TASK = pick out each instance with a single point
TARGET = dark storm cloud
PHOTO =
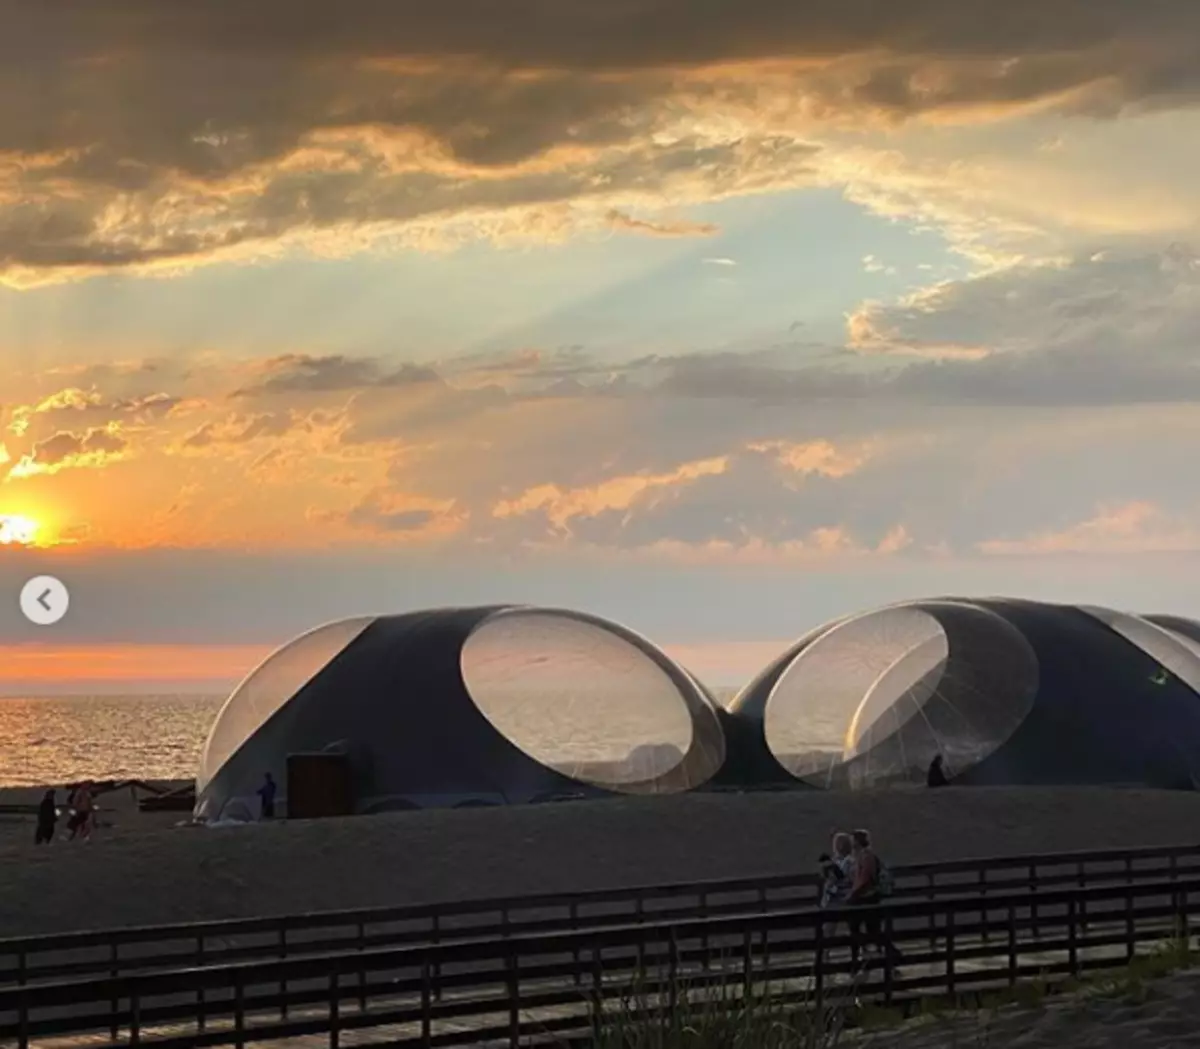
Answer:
(141, 100)
(578, 33)
(255, 77)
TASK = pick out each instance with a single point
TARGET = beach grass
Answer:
(727, 1017)
(703, 1017)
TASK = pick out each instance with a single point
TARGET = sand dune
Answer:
(143, 871)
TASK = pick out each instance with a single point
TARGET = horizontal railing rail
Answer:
(570, 982)
(32, 959)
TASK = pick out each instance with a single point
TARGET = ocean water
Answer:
(53, 740)
(62, 739)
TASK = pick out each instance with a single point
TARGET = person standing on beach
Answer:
(267, 793)
(80, 822)
(47, 819)
(936, 776)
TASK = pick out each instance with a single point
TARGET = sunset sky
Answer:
(718, 319)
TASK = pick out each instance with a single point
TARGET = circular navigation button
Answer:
(44, 600)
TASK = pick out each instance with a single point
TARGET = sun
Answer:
(18, 531)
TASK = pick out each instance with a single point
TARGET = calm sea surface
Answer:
(60, 739)
(66, 738)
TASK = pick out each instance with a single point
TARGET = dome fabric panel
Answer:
(512, 704)
(870, 701)
(421, 706)
(1008, 691)
(269, 686)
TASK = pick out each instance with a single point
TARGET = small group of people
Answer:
(855, 876)
(82, 805)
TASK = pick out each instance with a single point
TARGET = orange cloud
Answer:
(815, 457)
(66, 450)
(1122, 528)
(617, 493)
(395, 517)
(864, 333)
(820, 545)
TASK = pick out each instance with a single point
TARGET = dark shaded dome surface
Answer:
(450, 706)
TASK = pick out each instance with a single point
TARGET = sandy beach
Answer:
(145, 870)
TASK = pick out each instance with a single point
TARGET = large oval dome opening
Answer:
(581, 699)
(873, 699)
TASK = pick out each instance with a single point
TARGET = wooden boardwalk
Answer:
(541, 986)
(520, 970)
(861, 987)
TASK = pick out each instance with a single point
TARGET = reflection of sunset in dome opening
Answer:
(874, 698)
(823, 701)
(570, 693)
(899, 692)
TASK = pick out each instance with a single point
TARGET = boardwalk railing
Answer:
(113, 952)
(566, 985)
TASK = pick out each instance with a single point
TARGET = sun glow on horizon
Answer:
(18, 530)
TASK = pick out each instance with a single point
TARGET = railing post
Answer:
(23, 1022)
(362, 968)
(201, 1019)
(931, 895)
(747, 964)
(1130, 931)
(1033, 905)
(283, 982)
(514, 1000)
(135, 1017)
(950, 981)
(597, 991)
(640, 912)
(983, 897)
(1072, 946)
(114, 969)
(1184, 927)
(239, 1011)
(766, 952)
(573, 912)
(673, 976)
(819, 969)
(704, 934)
(1081, 881)
(435, 936)
(335, 1012)
(888, 928)
(426, 1004)
(762, 909)
(1012, 946)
